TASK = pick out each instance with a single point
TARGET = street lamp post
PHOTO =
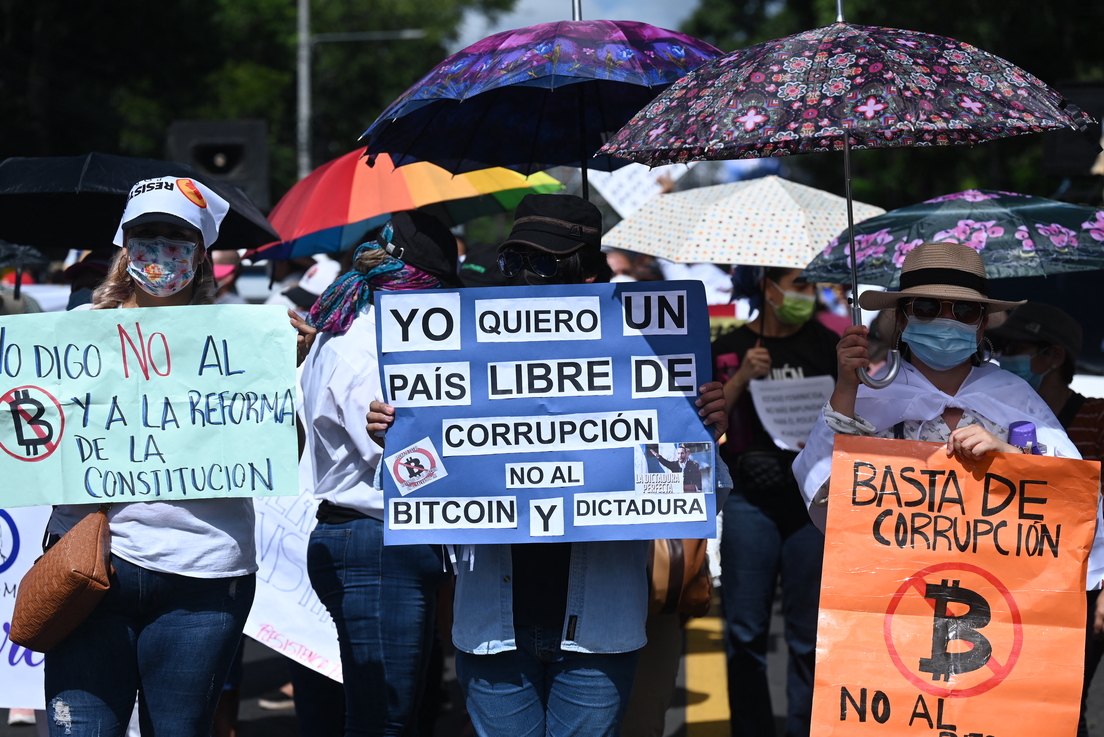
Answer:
(307, 43)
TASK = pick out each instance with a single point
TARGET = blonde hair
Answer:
(118, 287)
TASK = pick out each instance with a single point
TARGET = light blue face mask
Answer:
(1020, 365)
(941, 343)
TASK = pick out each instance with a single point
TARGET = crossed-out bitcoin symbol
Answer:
(966, 600)
(946, 627)
(37, 422)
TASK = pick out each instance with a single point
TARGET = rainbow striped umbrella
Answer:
(339, 203)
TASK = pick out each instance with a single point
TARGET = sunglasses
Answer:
(929, 308)
(510, 262)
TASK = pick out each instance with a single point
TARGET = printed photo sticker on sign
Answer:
(421, 322)
(415, 466)
(674, 468)
(586, 377)
(654, 313)
(664, 376)
(546, 517)
(428, 384)
(539, 319)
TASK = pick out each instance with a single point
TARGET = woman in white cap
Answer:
(184, 571)
(946, 390)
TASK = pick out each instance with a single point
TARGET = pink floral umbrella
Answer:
(1016, 235)
(840, 87)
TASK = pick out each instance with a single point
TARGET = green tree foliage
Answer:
(1056, 41)
(97, 76)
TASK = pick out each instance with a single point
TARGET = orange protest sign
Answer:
(953, 592)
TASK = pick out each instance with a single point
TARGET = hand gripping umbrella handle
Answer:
(893, 360)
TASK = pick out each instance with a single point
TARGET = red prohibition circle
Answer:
(48, 448)
(999, 673)
(399, 464)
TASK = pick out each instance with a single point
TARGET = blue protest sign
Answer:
(546, 414)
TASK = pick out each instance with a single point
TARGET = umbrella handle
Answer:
(894, 363)
(893, 360)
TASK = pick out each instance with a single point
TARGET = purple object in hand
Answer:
(1021, 433)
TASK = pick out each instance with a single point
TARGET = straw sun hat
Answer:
(943, 271)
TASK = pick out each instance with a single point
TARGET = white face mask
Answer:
(161, 266)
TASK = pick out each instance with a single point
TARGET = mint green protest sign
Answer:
(163, 403)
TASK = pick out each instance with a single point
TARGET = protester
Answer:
(83, 278)
(318, 277)
(381, 598)
(183, 577)
(554, 652)
(766, 532)
(1040, 343)
(946, 391)
(227, 267)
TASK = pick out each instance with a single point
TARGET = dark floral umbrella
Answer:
(839, 87)
(885, 87)
(1017, 235)
(541, 96)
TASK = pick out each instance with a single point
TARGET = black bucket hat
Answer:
(424, 242)
(555, 223)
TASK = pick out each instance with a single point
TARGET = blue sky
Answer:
(663, 13)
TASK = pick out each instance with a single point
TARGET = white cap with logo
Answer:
(181, 201)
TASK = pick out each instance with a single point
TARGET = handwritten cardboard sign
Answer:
(554, 414)
(150, 403)
(287, 615)
(953, 594)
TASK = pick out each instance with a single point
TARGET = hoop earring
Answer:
(985, 351)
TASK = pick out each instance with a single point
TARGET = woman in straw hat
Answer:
(946, 390)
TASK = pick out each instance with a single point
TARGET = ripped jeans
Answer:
(170, 639)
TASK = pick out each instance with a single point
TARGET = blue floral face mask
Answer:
(1020, 365)
(941, 343)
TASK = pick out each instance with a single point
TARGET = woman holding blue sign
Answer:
(382, 599)
(549, 634)
(184, 572)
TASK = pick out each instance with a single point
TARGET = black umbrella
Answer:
(13, 254)
(60, 202)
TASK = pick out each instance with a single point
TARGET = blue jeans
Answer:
(539, 689)
(382, 600)
(759, 542)
(168, 638)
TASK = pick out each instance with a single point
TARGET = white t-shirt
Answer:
(340, 379)
(202, 538)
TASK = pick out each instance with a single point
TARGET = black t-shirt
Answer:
(811, 351)
(541, 572)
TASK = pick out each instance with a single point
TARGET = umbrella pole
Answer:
(18, 278)
(894, 358)
(582, 142)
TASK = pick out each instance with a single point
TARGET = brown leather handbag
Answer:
(678, 578)
(64, 585)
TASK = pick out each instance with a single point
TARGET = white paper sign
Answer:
(20, 544)
(788, 408)
(628, 188)
(287, 616)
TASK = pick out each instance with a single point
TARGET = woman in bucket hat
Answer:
(946, 391)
